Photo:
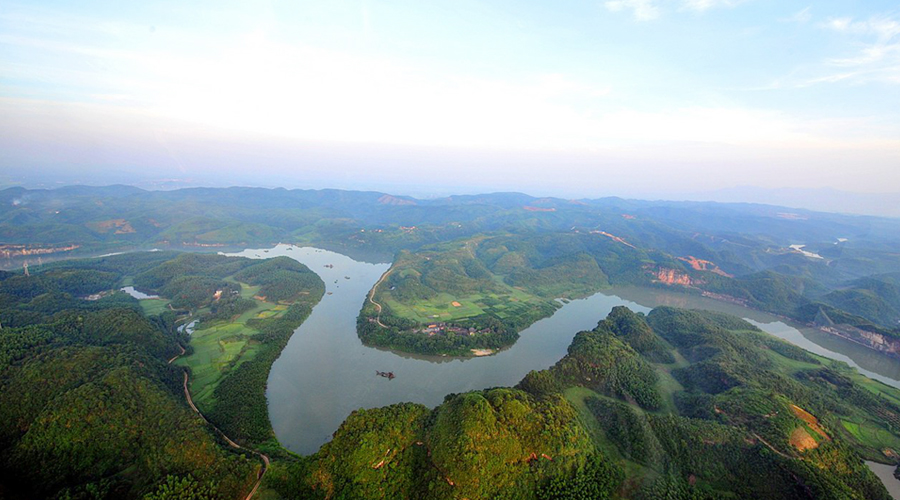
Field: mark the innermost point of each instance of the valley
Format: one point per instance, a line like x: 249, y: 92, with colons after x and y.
x: 615, y: 250
x: 294, y: 352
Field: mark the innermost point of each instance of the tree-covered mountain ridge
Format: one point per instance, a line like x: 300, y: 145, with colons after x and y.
x: 476, y: 293
x: 672, y: 404
x: 93, y: 381
x: 676, y: 404
x: 796, y: 263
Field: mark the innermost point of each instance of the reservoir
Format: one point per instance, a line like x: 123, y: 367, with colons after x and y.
x: 325, y: 372
x: 138, y: 295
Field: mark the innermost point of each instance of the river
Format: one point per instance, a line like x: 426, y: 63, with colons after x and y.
x: 325, y: 372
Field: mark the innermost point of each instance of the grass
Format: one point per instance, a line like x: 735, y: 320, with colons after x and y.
x: 854, y: 429
x: 876, y: 387
x: 217, y: 349
x: 576, y: 396
x: 440, y: 308
x: 153, y: 307
x: 870, y: 434
x: 222, y: 346
x: 789, y: 366
x: 872, y: 437
x: 485, y: 295
x: 667, y: 386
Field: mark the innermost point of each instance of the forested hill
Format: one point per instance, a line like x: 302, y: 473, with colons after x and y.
x: 92, y: 403
x: 106, y: 217
x: 832, y: 271
x: 493, y: 285
x: 675, y: 405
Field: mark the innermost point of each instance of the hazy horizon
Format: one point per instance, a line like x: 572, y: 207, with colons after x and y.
x: 669, y: 99
x: 822, y: 199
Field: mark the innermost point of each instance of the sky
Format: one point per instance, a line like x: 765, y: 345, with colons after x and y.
x: 610, y: 97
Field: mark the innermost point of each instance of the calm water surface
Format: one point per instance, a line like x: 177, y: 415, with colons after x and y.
x: 886, y: 474
x: 138, y: 295
x: 324, y: 372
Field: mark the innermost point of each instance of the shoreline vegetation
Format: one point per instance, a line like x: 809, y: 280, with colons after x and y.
x: 673, y: 404
x: 699, y: 404
x: 694, y: 402
x: 543, y: 247
x: 71, y: 319
x: 239, y: 335
x: 445, y: 300
x: 473, y: 295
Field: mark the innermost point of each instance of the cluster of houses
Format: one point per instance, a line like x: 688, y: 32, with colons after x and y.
x: 444, y: 329
x: 441, y: 328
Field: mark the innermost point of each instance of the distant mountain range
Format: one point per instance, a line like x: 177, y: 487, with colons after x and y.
x: 821, y: 199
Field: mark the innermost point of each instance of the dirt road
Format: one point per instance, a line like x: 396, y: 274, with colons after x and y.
x: 372, y: 299
x: 190, y: 400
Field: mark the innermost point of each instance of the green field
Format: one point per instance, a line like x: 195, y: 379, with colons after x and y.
x: 441, y: 308
x: 576, y: 396
x: 450, y: 276
x: 247, y: 291
x: 222, y: 346
x: 153, y: 307
x: 870, y: 434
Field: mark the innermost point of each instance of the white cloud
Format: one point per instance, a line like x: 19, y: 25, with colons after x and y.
x: 257, y: 85
x: 644, y: 10
x: 873, y: 53
x: 703, y: 5
x: 802, y: 16
x: 884, y: 28
x: 648, y: 10
x: 838, y: 23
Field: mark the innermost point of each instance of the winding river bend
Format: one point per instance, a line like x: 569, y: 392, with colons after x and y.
x: 325, y: 372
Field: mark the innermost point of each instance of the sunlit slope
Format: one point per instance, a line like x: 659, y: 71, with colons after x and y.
x: 246, y: 311
x: 771, y: 258
x: 675, y: 404
x: 90, y: 408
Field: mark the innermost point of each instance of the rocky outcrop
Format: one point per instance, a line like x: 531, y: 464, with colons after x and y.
x: 876, y: 341
x: 704, y: 265
x: 673, y: 277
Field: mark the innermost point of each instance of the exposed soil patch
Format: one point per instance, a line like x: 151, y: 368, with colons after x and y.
x: 672, y: 277
x: 802, y: 441
x: 704, y: 265
x: 121, y: 226
x: 810, y: 420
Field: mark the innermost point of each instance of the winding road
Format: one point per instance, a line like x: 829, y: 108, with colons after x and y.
x: 372, y: 299
x: 190, y: 400
x: 779, y: 453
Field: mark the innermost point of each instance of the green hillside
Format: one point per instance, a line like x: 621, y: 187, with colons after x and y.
x: 542, y: 247
x: 90, y: 401
x: 673, y: 404
x: 89, y: 407
x: 727, y: 412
